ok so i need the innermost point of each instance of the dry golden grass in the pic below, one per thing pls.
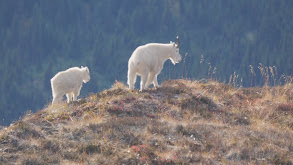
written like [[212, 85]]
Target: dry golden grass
[[182, 122]]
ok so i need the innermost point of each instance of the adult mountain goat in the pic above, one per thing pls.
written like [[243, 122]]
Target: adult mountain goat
[[69, 82], [147, 61]]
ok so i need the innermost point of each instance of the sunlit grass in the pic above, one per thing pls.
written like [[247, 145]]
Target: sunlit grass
[[181, 122]]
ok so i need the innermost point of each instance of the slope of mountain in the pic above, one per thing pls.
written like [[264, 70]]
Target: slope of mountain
[[182, 122]]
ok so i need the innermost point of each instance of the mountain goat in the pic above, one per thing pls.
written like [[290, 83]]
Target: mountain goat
[[69, 82], [147, 61]]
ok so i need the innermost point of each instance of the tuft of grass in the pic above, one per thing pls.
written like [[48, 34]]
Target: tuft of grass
[[92, 148]]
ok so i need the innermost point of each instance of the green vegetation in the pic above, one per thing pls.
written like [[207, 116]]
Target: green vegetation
[[41, 37]]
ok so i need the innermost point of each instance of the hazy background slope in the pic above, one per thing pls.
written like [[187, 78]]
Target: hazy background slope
[[38, 38]]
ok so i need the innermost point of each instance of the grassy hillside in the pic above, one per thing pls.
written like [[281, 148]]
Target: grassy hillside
[[182, 122]]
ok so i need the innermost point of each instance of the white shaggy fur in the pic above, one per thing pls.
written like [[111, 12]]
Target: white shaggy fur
[[147, 61], [69, 82]]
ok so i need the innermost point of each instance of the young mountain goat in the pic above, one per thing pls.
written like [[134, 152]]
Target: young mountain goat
[[69, 82]]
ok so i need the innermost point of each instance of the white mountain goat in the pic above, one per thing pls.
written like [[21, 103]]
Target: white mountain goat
[[69, 82], [147, 61]]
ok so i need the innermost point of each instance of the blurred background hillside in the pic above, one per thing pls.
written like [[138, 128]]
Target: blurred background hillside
[[39, 38]]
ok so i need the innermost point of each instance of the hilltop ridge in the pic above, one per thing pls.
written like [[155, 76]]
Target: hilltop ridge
[[182, 122]]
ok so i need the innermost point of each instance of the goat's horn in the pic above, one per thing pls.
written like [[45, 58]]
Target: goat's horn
[[177, 44]]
